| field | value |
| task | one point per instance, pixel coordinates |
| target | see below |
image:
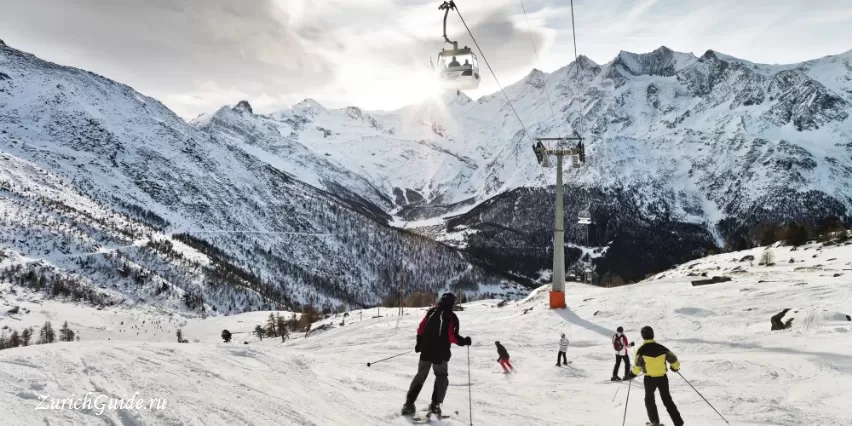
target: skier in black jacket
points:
(439, 329)
(503, 358)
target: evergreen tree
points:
(226, 336)
(3, 341)
(281, 324)
(259, 331)
(14, 340)
(26, 335)
(47, 335)
(271, 326)
(65, 333)
(179, 334)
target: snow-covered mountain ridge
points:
(183, 218)
(713, 145)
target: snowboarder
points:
(561, 357)
(503, 358)
(619, 343)
(438, 329)
(651, 359)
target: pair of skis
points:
(427, 417)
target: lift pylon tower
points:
(573, 147)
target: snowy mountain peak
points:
(243, 106)
(584, 61)
(308, 106)
(662, 62)
(2, 43)
(536, 78)
(450, 98)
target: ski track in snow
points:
(720, 332)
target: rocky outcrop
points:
(777, 324)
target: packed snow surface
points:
(720, 332)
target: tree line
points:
(45, 335)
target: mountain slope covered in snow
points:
(713, 143)
(65, 131)
(721, 334)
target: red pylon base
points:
(557, 300)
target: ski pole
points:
(376, 362)
(469, 394)
(702, 397)
(629, 384)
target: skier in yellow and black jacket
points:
(652, 359)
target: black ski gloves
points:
(465, 341)
(632, 344)
(417, 345)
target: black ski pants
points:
(561, 357)
(618, 359)
(661, 383)
(441, 381)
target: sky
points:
(198, 55)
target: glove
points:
(466, 341)
(632, 344)
(675, 369)
(417, 348)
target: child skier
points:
(651, 359)
(619, 343)
(437, 331)
(563, 349)
(504, 358)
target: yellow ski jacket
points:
(651, 358)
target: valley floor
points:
(720, 332)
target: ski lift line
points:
(574, 32)
(538, 59)
(481, 53)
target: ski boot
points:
(435, 409)
(629, 376)
(615, 379)
(408, 409)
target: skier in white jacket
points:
(619, 343)
(563, 348)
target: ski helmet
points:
(497, 342)
(620, 329)
(563, 334)
(447, 299)
(647, 332)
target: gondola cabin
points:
(458, 69)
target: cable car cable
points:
(574, 32)
(544, 86)
(526, 132)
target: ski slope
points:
(720, 332)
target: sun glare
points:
(385, 87)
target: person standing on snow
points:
(561, 357)
(651, 359)
(438, 329)
(503, 358)
(619, 343)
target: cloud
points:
(196, 55)
(175, 49)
